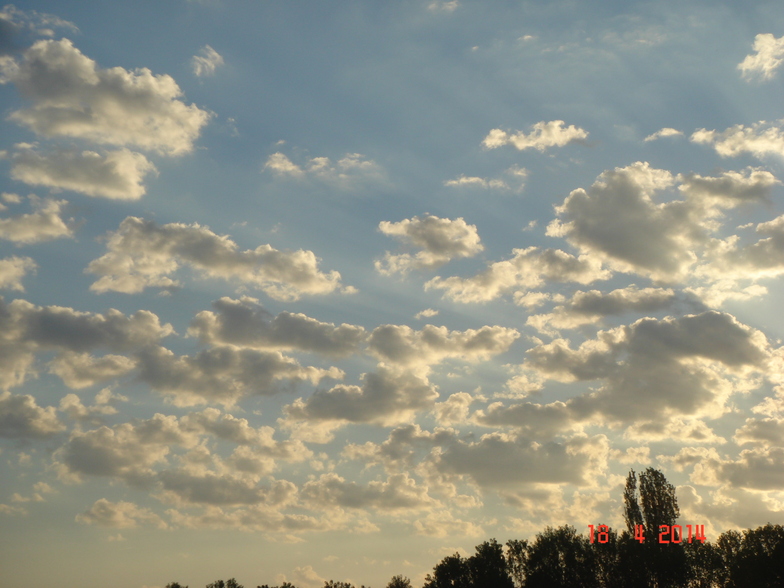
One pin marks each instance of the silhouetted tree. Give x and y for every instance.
(399, 582)
(516, 554)
(560, 558)
(333, 584)
(665, 563)
(175, 585)
(759, 561)
(703, 565)
(284, 585)
(230, 583)
(450, 572)
(487, 566)
(727, 545)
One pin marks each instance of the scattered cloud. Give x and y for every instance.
(427, 313)
(43, 224)
(386, 396)
(402, 345)
(527, 269)
(223, 374)
(119, 515)
(665, 132)
(440, 240)
(206, 62)
(142, 254)
(245, 323)
(72, 97)
(542, 136)
(117, 175)
(13, 269)
(22, 418)
(518, 174)
(760, 139)
(767, 59)
(443, 6)
(350, 172)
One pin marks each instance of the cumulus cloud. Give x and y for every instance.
(127, 451)
(427, 313)
(399, 492)
(206, 62)
(81, 370)
(119, 515)
(72, 97)
(655, 370)
(617, 219)
(729, 189)
(760, 139)
(402, 345)
(22, 418)
(44, 224)
(665, 132)
(143, 254)
(497, 460)
(769, 53)
(117, 175)
(517, 174)
(245, 323)
(13, 269)
(63, 328)
(440, 240)
(728, 259)
(386, 396)
(589, 307)
(542, 136)
(527, 269)
(443, 6)
(351, 171)
(223, 374)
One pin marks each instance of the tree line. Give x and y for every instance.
(637, 557)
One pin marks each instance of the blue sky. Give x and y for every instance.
(332, 290)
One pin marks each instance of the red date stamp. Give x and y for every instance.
(667, 533)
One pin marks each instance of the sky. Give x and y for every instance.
(295, 291)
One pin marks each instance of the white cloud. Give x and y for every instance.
(440, 240)
(117, 175)
(245, 323)
(655, 370)
(589, 307)
(352, 171)
(527, 269)
(759, 139)
(142, 254)
(223, 374)
(26, 328)
(22, 418)
(72, 97)
(206, 62)
(81, 370)
(119, 515)
(402, 345)
(427, 313)
(542, 136)
(617, 220)
(443, 6)
(399, 492)
(767, 59)
(13, 269)
(518, 174)
(665, 132)
(385, 397)
(43, 224)
(444, 524)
